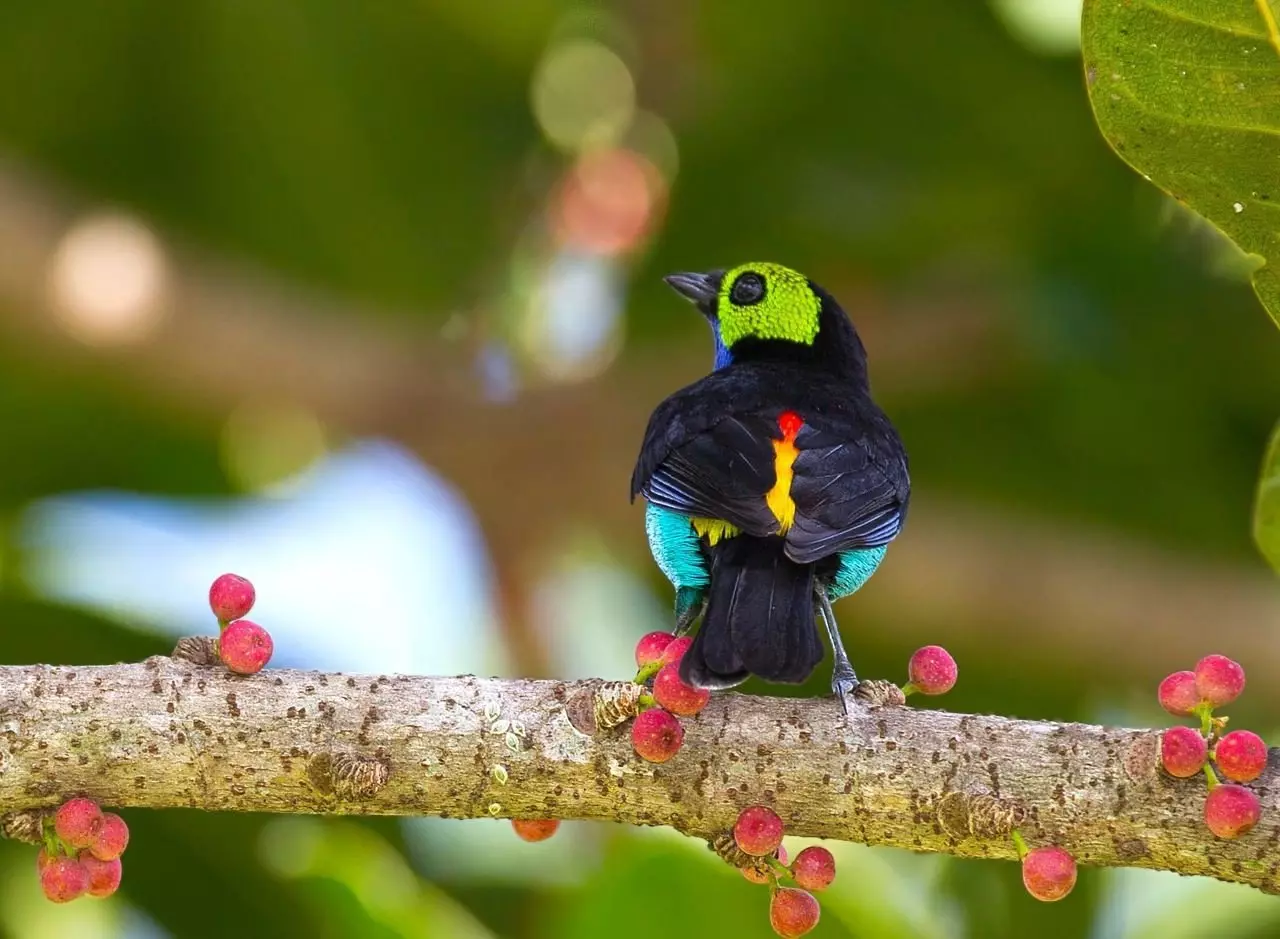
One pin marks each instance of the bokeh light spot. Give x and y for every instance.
(583, 94)
(1048, 27)
(265, 444)
(608, 202)
(106, 280)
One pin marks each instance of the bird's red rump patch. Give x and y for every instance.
(789, 422)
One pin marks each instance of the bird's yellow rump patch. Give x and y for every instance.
(779, 498)
(713, 529)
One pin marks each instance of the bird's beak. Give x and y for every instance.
(699, 289)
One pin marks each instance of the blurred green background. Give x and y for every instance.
(364, 302)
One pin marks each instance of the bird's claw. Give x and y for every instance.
(844, 686)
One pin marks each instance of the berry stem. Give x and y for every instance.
(1204, 711)
(909, 689)
(1210, 777)
(645, 672)
(647, 700)
(1019, 844)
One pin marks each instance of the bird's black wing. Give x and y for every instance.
(850, 484)
(708, 452)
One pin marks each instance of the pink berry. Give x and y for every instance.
(1178, 693)
(1048, 873)
(758, 830)
(792, 912)
(1231, 810)
(757, 877)
(675, 695)
(1241, 755)
(676, 649)
(651, 646)
(245, 647)
(78, 823)
(64, 879)
(814, 868)
(1183, 751)
(231, 597)
(535, 829)
(932, 670)
(656, 735)
(113, 838)
(1219, 680)
(104, 876)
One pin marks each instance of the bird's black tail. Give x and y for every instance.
(759, 618)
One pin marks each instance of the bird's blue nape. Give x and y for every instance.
(723, 355)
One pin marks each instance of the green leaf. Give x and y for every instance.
(1185, 92)
(1266, 509)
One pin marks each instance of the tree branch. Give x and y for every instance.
(166, 734)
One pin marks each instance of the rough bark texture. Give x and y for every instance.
(166, 733)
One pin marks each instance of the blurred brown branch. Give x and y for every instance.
(231, 334)
(165, 734)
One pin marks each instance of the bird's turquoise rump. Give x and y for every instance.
(675, 547)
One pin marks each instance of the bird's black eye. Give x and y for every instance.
(747, 289)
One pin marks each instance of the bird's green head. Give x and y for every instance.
(760, 300)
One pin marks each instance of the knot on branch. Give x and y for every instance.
(604, 704)
(26, 826)
(198, 650)
(728, 851)
(879, 692)
(348, 776)
(980, 815)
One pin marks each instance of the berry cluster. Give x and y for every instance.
(930, 671)
(656, 733)
(1230, 809)
(81, 852)
(793, 911)
(243, 646)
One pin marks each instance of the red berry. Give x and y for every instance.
(676, 649)
(1241, 755)
(113, 838)
(757, 877)
(104, 876)
(1178, 693)
(231, 597)
(64, 879)
(1183, 751)
(675, 695)
(814, 868)
(932, 670)
(651, 646)
(1219, 680)
(758, 830)
(535, 829)
(656, 735)
(245, 647)
(1231, 810)
(78, 823)
(1048, 873)
(793, 912)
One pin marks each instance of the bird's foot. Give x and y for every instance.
(844, 690)
(844, 685)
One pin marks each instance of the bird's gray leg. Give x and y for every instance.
(843, 678)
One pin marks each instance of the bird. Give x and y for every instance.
(774, 484)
